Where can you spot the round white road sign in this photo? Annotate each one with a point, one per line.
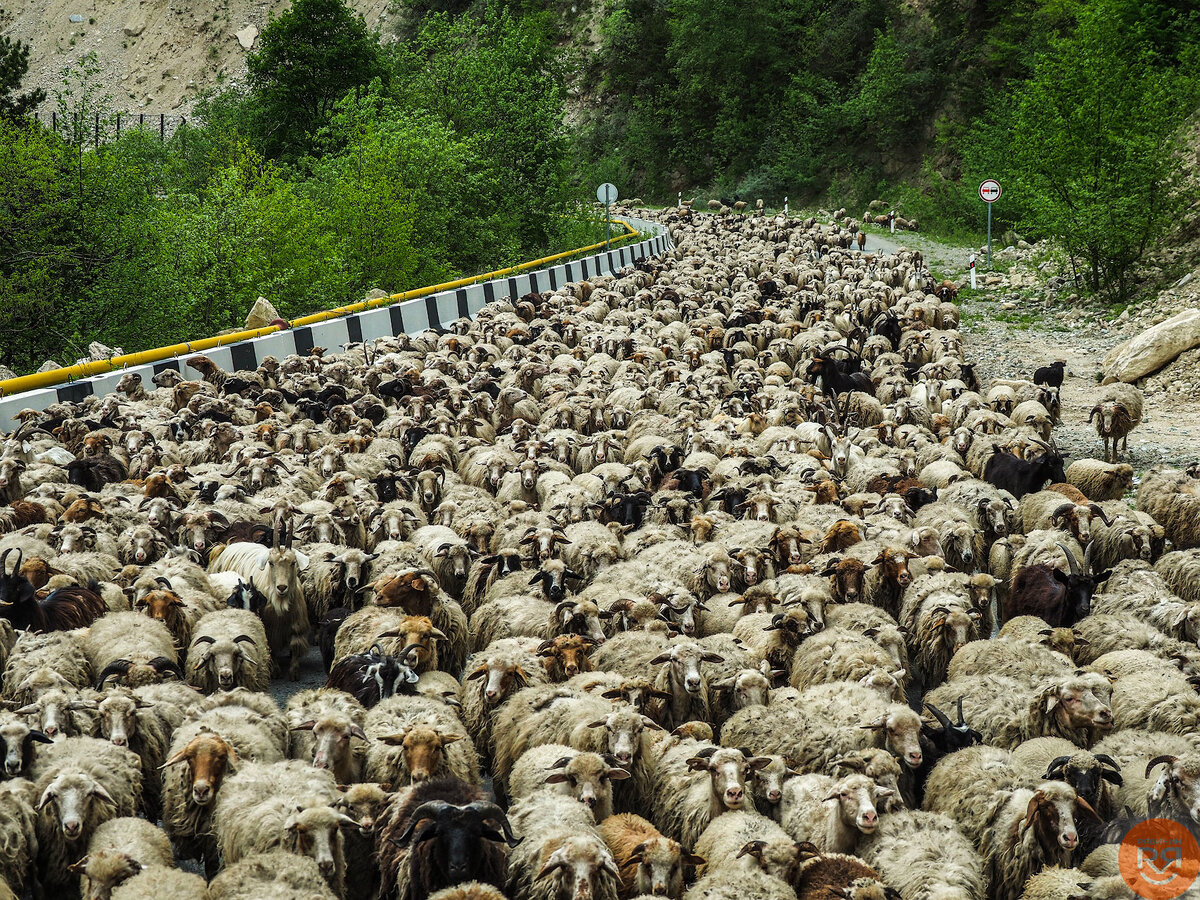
(606, 193)
(990, 190)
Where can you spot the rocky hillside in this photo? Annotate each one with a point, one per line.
(155, 56)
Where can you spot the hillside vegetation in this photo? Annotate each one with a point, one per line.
(455, 136)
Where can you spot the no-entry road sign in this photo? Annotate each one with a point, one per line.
(990, 190)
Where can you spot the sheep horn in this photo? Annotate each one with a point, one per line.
(1169, 760)
(1070, 557)
(1054, 770)
(1097, 511)
(492, 811)
(1107, 760)
(116, 667)
(430, 809)
(162, 664)
(204, 639)
(164, 582)
(1061, 510)
(962, 723)
(942, 718)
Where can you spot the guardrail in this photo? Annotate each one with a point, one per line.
(410, 312)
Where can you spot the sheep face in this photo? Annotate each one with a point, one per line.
(623, 730)
(579, 865)
(684, 660)
(17, 739)
(71, 798)
(580, 617)
(768, 784)
(118, 718)
(659, 871)
(565, 656)
(748, 687)
(728, 772)
(499, 679)
(586, 777)
(363, 803)
(1081, 703)
(208, 758)
(901, 728)
(283, 571)
(854, 797)
(225, 658)
(315, 833)
(1051, 813)
(423, 749)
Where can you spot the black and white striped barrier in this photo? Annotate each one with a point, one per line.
(412, 317)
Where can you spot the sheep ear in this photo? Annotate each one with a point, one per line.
(451, 738)
(78, 868)
(1051, 701)
(693, 860)
(617, 774)
(599, 723)
(557, 778)
(478, 673)
(697, 764)
(661, 658)
(881, 722)
(753, 848)
(712, 657)
(392, 740)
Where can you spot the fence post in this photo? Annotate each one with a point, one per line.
(54, 122)
(118, 126)
(162, 127)
(96, 138)
(141, 120)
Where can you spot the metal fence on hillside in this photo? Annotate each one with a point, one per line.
(110, 126)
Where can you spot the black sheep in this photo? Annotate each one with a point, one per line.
(1051, 375)
(440, 829)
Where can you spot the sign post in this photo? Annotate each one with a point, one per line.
(972, 267)
(892, 222)
(989, 192)
(785, 207)
(607, 194)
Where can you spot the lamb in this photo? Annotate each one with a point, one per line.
(61, 654)
(1120, 411)
(127, 720)
(830, 812)
(220, 733)
(178, 611)
(694, 782)
(282, 805)
(838, 654)
(18, 834)
(925, 857)
(163, 881)
(1057, 883)
(456, 842)
(81, 782)
(583, 776)
(229, 649)
(323, 724)
(119, 849)
(275, 875)
(560, 859)
(130, 646)
(649, 862)
(1100, 481)
(1034, 828)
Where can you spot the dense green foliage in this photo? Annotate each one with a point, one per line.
(14, 63)
(348, 162)
(340, 169)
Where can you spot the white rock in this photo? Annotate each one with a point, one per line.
(247, 36)
(98, 351)
(1154, 348)
(6, 373)
(49, 366)
(261, 314)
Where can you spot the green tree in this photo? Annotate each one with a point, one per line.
(1092, 147)
(308, 59)
(14, 63)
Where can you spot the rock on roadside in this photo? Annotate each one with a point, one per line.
(1154, 348)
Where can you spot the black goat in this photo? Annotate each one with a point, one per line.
(62, 610)
(1060, 599)
(888, 326)
(371, 676)
(1019, 477)
(327, 630)
(94, 472)
(1051, 375)
(445, 831)
(939, 742)
(625, 508)
(16, 742)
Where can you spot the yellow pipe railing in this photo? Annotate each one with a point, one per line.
(33, 382)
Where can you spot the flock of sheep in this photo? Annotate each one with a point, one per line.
(721, 579)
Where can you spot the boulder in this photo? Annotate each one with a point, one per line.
(261, 314)
(1153, 348)
(49, 366)
(375, 294)
(247, 36)
(6, 373)
(97, 351)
